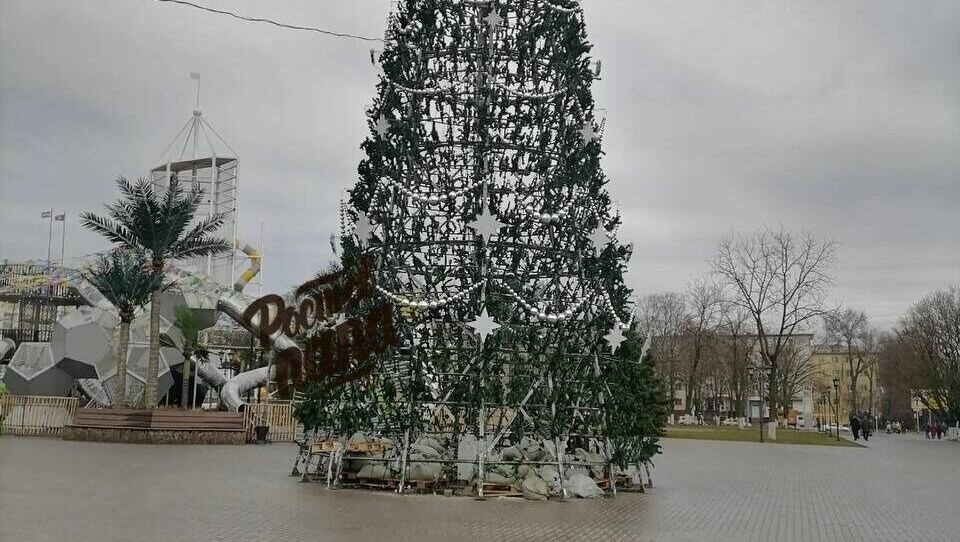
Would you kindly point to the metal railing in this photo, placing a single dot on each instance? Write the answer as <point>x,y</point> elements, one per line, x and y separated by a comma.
<point>36,415</point>
<point>277,416</point>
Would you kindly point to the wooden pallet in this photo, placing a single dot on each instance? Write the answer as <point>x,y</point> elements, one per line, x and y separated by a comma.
<point>500,490</point>
<point>327,446</point>
<point>390,484</point>
<point>621,481</point>
<point>365,447</point>
<point>324,447</point>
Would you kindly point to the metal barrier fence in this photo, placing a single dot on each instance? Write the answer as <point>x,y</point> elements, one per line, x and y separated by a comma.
<point>36,415</point>
<point>277,416</point>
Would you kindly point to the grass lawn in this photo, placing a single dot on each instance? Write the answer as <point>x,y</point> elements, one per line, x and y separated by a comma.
<point>752,434</point>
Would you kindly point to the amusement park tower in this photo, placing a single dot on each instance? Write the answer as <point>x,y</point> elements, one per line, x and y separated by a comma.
<point>198,154</point>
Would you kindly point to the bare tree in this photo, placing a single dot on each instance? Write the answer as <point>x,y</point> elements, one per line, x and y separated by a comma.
<point>795,371</point>
<point>932,330</point>
<point>781,279</point>
<point>703,302</point>
<point>735,346</point>
<point>851,330</point>
<point>664,316</point>
<point>897,368</point>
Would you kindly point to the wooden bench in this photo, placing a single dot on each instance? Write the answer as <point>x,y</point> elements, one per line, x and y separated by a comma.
<point>157,426</point>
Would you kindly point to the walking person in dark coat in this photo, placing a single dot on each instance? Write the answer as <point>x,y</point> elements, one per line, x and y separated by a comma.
<point>855,427</point>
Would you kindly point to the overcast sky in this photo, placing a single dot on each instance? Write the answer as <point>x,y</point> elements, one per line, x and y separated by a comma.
<point>839,117</point>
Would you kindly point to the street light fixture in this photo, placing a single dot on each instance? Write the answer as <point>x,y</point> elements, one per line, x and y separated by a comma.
<point>836,406</point>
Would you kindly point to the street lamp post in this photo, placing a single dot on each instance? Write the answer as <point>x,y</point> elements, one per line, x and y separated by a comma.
<point>820,414</point>
<point>836,406</point>
<point>828,404</point>
<point>751,371</point>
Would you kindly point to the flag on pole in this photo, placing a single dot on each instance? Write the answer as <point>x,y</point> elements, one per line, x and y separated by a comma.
<point>46,214</point>
<point>60,217</point>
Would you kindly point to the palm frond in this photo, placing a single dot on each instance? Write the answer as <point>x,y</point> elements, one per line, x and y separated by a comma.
<point>112,230</point>
<point>187,322</point>
<point>203,246</point>
<point>122,278</point>
<point>206,227</point>
<point>147,220</point>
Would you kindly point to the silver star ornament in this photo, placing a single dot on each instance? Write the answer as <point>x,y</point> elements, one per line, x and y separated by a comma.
<point>363,229</point>
<point>614,338</point>
<point>494,20</point>
<point>484,325</point>
<point>600,238</point>
<point>382,126</point>
<point>486,224</point>
<point>646,346</point>
<point>587,133</point>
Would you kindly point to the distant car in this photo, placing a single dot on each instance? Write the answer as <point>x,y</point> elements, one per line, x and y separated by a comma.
<point>687,419</point>
<point>730,421</point>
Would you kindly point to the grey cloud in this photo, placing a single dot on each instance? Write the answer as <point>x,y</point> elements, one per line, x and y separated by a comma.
<point>840,117</point>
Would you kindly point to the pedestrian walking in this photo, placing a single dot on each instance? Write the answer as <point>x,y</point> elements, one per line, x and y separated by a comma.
<point>855,427</point>
<point>889,427</point>
<point>940,430</point>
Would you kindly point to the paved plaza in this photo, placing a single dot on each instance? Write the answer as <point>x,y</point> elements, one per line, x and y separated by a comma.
<point>900,488</point>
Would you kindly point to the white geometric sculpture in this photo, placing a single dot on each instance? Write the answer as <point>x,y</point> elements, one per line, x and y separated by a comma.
<point>203,304</point>
<point>82,342</point>
<point>32,371</point>
<point>137,358</point>
<point>140,330</point>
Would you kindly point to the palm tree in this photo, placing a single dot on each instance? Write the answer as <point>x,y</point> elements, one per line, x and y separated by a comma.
<point>157,225</point>
<point>189,325</point>
<point>125,279</point>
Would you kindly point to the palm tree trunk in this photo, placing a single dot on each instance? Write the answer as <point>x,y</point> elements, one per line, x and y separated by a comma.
<point>150,394</point>
<point>120,391</point>
<point>185,389</point>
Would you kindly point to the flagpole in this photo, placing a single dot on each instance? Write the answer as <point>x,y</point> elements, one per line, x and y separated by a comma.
<point>49,239</point>
<point>63,239</point>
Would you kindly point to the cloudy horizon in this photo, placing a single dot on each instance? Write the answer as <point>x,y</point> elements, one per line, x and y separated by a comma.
<point>842,118</point>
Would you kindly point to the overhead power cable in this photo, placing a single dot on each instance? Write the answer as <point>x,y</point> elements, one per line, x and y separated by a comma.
<point>270,21</point>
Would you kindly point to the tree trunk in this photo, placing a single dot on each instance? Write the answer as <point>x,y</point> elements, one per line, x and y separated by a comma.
<point>150,393</point>
<point>185,388</point>
<point>120,391</point>
<point>854,401</point>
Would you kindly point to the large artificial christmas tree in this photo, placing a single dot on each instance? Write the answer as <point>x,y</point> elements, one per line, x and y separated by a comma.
<point>482,210</point>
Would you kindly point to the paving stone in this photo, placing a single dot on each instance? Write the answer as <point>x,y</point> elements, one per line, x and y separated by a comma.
<point>900,488</point>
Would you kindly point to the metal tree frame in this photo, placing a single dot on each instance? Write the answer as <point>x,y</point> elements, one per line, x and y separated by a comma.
<point>489,116</point>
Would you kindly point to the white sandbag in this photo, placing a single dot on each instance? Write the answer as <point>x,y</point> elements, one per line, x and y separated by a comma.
<point>534,488</point>
<point>551,476</point>
<point>499,479</point>
<point>511,453</point>
<point>582,485</point>
<point>374,472</point>
<point>431,442</point>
